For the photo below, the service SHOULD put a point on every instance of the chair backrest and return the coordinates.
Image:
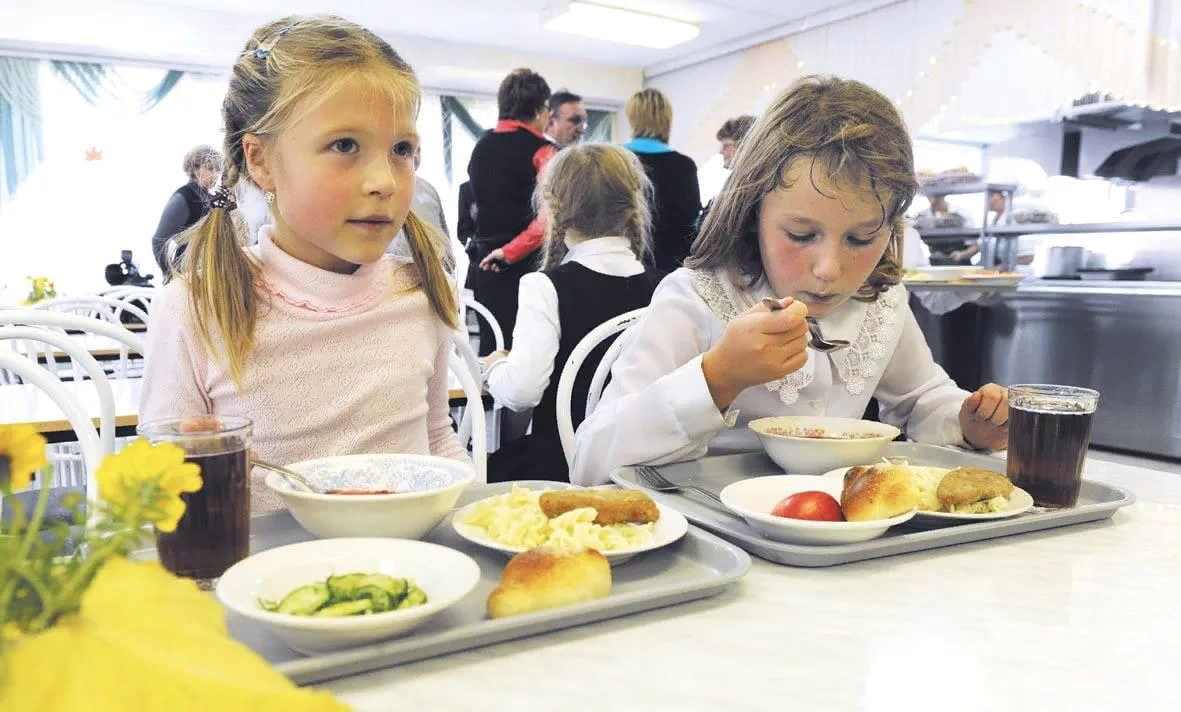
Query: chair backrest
(497, 333)
(74, 322)
(80, 356)
(94, 306)
(570, 373)
(474, 411)
(464, 348)
(88, 439)
(134, 295)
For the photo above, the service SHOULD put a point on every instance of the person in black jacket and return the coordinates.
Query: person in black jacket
(188, 204)
(503, 171)
(677, 197)
(596, 198)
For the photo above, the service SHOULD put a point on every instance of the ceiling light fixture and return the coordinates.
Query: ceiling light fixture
(615, 24)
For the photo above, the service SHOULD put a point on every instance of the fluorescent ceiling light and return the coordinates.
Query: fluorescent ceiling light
(618, 25)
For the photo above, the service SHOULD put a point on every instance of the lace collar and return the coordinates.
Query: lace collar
(870, 327)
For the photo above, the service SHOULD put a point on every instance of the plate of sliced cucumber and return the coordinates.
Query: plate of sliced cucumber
(331, 594)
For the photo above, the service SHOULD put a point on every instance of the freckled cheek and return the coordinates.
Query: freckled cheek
(788, 265)
(863, 263)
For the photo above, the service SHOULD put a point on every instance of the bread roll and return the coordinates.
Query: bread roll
(878, 492)
(538, 579)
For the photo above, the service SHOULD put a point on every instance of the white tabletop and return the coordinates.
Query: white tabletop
(1078, 618)
(28, 404)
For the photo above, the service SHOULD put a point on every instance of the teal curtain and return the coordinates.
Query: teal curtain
(21, 147)
(97, 82)
(156, 94)
(459, 111)
(93, 82)
(598, 126)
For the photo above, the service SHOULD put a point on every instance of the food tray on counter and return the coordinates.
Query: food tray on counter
(1096, 501)
(698, 566)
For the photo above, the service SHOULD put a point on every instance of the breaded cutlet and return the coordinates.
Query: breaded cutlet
(611, 506)
(968, 485)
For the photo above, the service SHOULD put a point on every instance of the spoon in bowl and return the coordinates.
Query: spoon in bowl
(289, 475)
(818, 342)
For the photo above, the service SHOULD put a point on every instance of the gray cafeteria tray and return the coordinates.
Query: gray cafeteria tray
(1096, 501)
(698, 566)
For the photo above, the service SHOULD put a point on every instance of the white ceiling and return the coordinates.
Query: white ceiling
(516, 24)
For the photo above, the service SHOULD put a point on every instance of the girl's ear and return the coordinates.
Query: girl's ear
(258, 162)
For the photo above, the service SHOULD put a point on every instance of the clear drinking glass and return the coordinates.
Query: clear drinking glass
(1049, 433)
(214, 533)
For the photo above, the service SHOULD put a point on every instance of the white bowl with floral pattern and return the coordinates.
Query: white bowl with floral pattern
(420, 491)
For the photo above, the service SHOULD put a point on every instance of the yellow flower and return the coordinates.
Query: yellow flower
(24, 449)
(146, 640)
(10, 632)
(123, 477)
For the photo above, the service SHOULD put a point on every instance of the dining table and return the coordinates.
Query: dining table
(24, 403)
(1077, 618)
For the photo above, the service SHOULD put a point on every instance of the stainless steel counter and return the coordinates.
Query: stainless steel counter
(1121, 338)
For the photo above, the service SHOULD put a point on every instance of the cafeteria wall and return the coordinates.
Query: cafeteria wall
(947, 63)
(200, 38)
(71, 216)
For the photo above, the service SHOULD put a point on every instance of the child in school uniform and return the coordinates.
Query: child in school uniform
(812, 217)
(595, 198)
(329, 346)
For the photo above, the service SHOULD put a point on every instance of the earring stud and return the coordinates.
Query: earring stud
(270, 196)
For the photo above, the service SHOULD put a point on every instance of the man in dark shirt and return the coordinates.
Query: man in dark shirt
(503, 171)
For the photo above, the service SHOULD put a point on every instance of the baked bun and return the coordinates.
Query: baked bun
(878, 492)
(538, 579)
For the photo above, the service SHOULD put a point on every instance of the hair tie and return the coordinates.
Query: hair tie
(264, 52)
(223, 199)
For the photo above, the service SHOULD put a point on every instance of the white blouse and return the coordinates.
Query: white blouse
(519, 381)
(658, 408)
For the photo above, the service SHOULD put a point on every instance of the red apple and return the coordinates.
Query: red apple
(817, 506)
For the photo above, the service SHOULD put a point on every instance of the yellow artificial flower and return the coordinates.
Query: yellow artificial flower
(24, 449)
(137, 617)
(122, 477)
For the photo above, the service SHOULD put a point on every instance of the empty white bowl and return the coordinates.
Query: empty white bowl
(754, 498)
(814, 455)
(445, 575)
(426, 488)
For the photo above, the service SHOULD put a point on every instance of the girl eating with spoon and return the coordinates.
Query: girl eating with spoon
(811, 218)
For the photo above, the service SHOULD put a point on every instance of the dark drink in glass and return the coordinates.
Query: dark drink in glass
(214, 533)
(1049, 433)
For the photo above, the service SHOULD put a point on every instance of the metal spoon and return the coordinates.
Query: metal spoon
(289, 475)
(818, 342)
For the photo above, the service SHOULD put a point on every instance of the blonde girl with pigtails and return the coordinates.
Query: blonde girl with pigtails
(326, 344)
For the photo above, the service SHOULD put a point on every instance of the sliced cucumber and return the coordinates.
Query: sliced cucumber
(414, 597)
(346, 608)
(344, 587)
(381, 599)
(305, 600)
(396, 587)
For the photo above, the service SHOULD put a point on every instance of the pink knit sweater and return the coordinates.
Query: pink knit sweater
(342, 364)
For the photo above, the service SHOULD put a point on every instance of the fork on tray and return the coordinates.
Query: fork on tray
(651, 478)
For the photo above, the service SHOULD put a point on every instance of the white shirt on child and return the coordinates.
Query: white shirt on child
(658, 409)
(519, 381)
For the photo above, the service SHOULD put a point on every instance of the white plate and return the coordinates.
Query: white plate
(1020, 501)
(671, 526)
(755, 497)
(446, 575)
